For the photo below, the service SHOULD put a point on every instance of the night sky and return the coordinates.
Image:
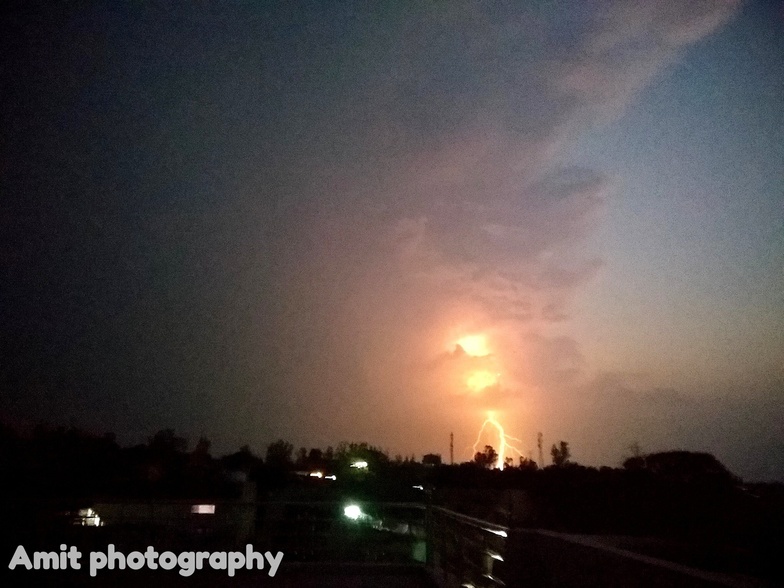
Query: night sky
(253, 220)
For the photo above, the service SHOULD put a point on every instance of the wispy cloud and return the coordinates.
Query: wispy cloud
(456, 204)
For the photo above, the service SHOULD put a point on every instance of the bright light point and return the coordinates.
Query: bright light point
(203, 509)
(87, 517)
(495, 532)
(419, 487)
(495, 556)
(475, 345)
(332, 477)
(360, 465)
(353, 512)
(480, 380)
(316, 474)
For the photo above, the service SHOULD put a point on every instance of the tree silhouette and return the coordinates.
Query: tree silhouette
(527, 464)
(486, 458)
(279, 453)
(165, 441)
(315, 458)
(561, 454)
(347, 453)
(683, 466)
(242, 460)
(202, 447)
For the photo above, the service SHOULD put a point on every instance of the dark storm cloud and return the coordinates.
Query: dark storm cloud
(740, 424)
(255, 218)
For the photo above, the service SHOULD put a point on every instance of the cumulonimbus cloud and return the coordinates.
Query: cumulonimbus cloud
(426, 195)
(459, 194)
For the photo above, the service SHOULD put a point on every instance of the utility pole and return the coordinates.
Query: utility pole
(451, 449)
(541, 455)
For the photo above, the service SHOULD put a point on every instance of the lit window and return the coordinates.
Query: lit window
(87, 517)
(203, 509)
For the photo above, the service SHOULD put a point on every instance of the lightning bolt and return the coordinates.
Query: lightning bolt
(503, 440)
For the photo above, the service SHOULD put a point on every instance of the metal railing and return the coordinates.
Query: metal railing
(457, 550)
(465, 551)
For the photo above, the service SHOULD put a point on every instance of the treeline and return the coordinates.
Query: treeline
(70, 466)
(67, 465)
(675, 491)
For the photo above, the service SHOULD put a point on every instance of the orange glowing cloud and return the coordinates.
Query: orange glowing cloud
(474, 345)
(481, 379)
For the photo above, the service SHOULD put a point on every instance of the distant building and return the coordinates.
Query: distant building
(432, 459)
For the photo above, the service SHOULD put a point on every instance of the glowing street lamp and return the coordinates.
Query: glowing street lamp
(353, 512)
